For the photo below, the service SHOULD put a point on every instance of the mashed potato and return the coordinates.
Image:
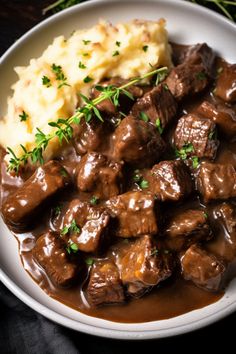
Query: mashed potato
(125, 50)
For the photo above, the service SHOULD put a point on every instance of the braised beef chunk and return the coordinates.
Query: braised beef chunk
(99, 175)
(199, 133)
(141, 267)
(156, 104)
(107, 107)
(171, 180)
(201, 54)
(90, 136)
(86, 225)
(223, 116)
(187, 79)
(135, 214)
(192, 76)
(216, 181)
(226, 83)
(137, 142)
(104, 285)
(50, 253)
(20, 207)
(226, 213)
(202, 268)
(186, 228)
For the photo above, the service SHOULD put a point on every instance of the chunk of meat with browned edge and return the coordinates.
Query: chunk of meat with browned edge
(198, 132)
(201, 53)
(216, 181)
(92, 225)
(106, 106)
(187, 79)
(158, 103)
(170, 180)
(193, 75)
(186, 228)
(142, 266)
(105, 286)
(50, 253)
(203, 269)
(99, 175)
(223, 116)
(135, 214)
(21, 207)
(89, 137)
(226, 83)
(137, 142)
(226, 213)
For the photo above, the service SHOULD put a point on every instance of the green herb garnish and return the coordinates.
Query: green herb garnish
(158, 125)
(144, 184)
(115, 53)
(205, 215)
(87, 79)
(46, 81)
(145, 48)
(57, 210)
(64, 127)
(118, 43)
(23, 116)
(72, 247)
(60, 76)
(86, 42)
(184, 151)
(160, 77)
(143, 116)
(195, 161)
(201, 76)
(89, 261)
(81, 65)
(73, 227)
(94, 200)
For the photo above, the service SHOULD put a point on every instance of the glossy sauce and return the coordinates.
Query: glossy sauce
(174, 296)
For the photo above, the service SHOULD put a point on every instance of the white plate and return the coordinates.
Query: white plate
(187, 23)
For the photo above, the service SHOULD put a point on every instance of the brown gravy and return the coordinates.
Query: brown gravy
(174, 298)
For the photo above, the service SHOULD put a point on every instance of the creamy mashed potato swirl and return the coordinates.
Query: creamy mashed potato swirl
(125, 50)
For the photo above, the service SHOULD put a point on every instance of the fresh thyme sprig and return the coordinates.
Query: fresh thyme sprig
(222, 5)
(63, 127)
(60, 5)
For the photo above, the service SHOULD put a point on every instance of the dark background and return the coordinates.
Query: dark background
(24, 331)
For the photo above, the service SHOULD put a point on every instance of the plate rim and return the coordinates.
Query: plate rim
(75, 324)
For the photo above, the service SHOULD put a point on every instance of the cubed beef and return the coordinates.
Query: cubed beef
(198, 132)
(21, 207)
(187, 79)
(99, 175)
(90, 136)
(226, 213)
(142, 267)
(156, 104)
(200, 54)
(191, 76)
(50, 253)
(226, 83)
(137, 142)
(106, 106)
(185, 228)
(202, 268)
(135, 214)
(223, 116)
(87, 225)
(216, 181)
(170, 180)
(104, 285)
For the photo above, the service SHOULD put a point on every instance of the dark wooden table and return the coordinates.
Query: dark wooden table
(16, 17)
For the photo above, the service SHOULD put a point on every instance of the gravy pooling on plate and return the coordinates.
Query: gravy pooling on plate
(135, 220)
